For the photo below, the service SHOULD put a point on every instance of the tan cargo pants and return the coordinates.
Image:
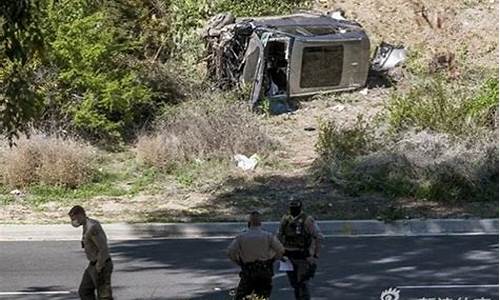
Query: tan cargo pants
(93, 281)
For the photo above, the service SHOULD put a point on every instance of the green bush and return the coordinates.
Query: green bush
(339, 142)
(106, 64)
(187, 16)
(483, 107)
(87, 42)
(247, 8)
(21, 49)
(443, 105)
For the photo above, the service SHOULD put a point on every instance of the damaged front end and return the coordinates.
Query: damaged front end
(290, 56)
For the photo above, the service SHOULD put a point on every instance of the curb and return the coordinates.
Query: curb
(359, 228)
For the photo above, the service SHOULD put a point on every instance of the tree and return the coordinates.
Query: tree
(21, 46)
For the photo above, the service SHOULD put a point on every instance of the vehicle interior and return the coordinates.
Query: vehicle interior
(276, 67)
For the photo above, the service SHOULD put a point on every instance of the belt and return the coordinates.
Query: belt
(258, 264)
(298, 254)
(95, 261)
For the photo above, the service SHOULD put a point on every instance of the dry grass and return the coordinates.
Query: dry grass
(205, 129)
(424, 165)
(50, 160)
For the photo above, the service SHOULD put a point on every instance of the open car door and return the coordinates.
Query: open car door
(253, 70)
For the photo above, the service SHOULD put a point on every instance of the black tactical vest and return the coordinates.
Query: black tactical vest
(294, 232)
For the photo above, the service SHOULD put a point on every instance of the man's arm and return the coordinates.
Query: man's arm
(314, 231)
(280, 234)
(233, 251)
(99, 239)
(277, 247)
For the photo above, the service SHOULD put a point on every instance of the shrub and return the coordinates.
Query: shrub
(188, 16)
(443, 105)
(103, 64)
(422, 165)
(247, 8)
(106, 64)
(49, 160)
(483, 107)
(212, 128)
(159, 150)
(343, 142)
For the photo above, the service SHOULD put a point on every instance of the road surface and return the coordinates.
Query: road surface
(350, 268)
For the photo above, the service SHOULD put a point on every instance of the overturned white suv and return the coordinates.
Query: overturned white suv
(293, 55)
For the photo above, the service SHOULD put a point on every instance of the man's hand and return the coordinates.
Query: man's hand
(311, 260)
(98, 267)
(100, 278)
(284, 258)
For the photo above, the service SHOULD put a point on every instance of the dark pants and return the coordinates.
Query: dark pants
(299, 277)
(256, 278)
(93, 281)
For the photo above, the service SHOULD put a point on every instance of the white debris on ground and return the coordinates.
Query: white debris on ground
(339, 107)
(16, 193)
(246, 163)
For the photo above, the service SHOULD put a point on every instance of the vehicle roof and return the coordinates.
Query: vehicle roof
(308, 25)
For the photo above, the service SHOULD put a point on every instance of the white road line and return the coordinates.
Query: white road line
(35, 293)
(450, 286)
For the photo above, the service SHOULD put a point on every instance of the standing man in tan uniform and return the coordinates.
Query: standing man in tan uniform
(97, 276)
(255, 252)
(301, 237)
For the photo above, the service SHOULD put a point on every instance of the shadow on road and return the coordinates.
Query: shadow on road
(350, 268)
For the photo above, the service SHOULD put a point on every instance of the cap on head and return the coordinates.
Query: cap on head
(254, 219)
(295, 203)
(295, 207)
(76, 210)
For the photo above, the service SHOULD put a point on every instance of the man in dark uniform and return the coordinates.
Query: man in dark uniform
(301, 237)
(255, 252)
(97, 276)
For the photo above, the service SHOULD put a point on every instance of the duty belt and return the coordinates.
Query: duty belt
(95, 261)
(258, 264)
(297, 254)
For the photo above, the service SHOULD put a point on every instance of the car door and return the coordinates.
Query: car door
(254, 62)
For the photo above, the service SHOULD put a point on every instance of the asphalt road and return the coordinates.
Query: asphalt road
(350, 269)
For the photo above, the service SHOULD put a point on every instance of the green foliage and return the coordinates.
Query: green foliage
(87, 42)
(39, 194)
(483, 107)
(450, 175)
(257, 8)
(104, 72)
(202, 175)
(265, 107)
(21, 45)
(189, 15)
(416, 63)
(444, 105)
(335, 141)
(427, 166)
(394, 175)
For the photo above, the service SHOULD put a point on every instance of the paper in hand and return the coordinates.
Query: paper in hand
(285, 266)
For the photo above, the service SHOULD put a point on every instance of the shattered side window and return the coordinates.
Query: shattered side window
(322, 66)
